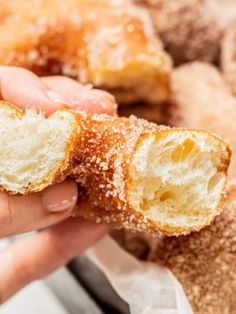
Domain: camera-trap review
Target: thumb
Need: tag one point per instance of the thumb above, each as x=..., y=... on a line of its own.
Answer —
x=35, y=211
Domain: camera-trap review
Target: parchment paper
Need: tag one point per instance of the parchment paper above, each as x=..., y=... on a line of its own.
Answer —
x=146, y=287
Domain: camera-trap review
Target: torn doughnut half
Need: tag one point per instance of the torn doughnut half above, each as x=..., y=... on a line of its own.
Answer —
x=35, y=151
x=131, y=172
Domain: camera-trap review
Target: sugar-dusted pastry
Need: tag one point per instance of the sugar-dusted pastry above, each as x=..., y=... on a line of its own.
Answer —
x=201, y=99
x=191, y=29
x=110, y=44
x=136, y=243
x=228, y=56
x=151, y=113
x=205, y=262
x=131, y=172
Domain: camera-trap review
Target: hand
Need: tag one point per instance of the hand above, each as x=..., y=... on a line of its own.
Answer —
x=35, y=257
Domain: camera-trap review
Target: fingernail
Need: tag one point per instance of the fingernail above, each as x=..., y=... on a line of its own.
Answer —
x=89, y=86
x=54, y=97
x=61, y=196
x=97, y=101
x=102, y=94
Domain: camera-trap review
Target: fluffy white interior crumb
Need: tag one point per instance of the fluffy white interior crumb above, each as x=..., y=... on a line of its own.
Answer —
x=31, y=146
x=177, y=179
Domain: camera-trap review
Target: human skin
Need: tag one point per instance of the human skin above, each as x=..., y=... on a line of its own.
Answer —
x=62, y=237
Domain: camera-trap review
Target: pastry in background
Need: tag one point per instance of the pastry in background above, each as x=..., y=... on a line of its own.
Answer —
x=201, y=99
x=228, y=56
x=136, y=243
x=191, y=29
x=205, y=262
x=110, y=44
x=151, y=113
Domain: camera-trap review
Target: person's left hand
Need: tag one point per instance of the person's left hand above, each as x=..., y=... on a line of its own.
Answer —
x=36, y=256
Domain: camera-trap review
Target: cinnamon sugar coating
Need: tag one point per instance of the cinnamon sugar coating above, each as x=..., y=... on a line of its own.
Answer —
x=105, y=151
x=107, y=145
x=205, y=262
x=131, y=173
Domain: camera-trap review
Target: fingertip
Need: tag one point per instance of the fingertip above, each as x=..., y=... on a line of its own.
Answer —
x=96, y=101
x=55, y=97
x=25, y=90
x=103, y=101
x=82, y=97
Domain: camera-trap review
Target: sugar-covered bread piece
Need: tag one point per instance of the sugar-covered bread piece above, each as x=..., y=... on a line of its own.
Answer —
x=151, y=178
x=201, y=99
x=205, y=262
x=131, y=172
x=110, y=44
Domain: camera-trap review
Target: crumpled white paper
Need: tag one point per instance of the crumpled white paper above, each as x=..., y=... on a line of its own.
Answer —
x=146, y=287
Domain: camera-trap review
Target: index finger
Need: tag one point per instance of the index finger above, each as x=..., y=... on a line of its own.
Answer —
x=82, y=97
x=24, y=89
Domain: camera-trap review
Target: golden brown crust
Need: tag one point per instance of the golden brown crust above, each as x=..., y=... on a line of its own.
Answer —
x=99, y=153
x=110, y=44
x=106, y=149
x=201, y=99
x=104, y=153
x=205, y=262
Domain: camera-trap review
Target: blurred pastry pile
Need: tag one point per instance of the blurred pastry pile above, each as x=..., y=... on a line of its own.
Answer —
x=172, y=62
x=109, y=44
x=200, y=36
x=204, y=262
